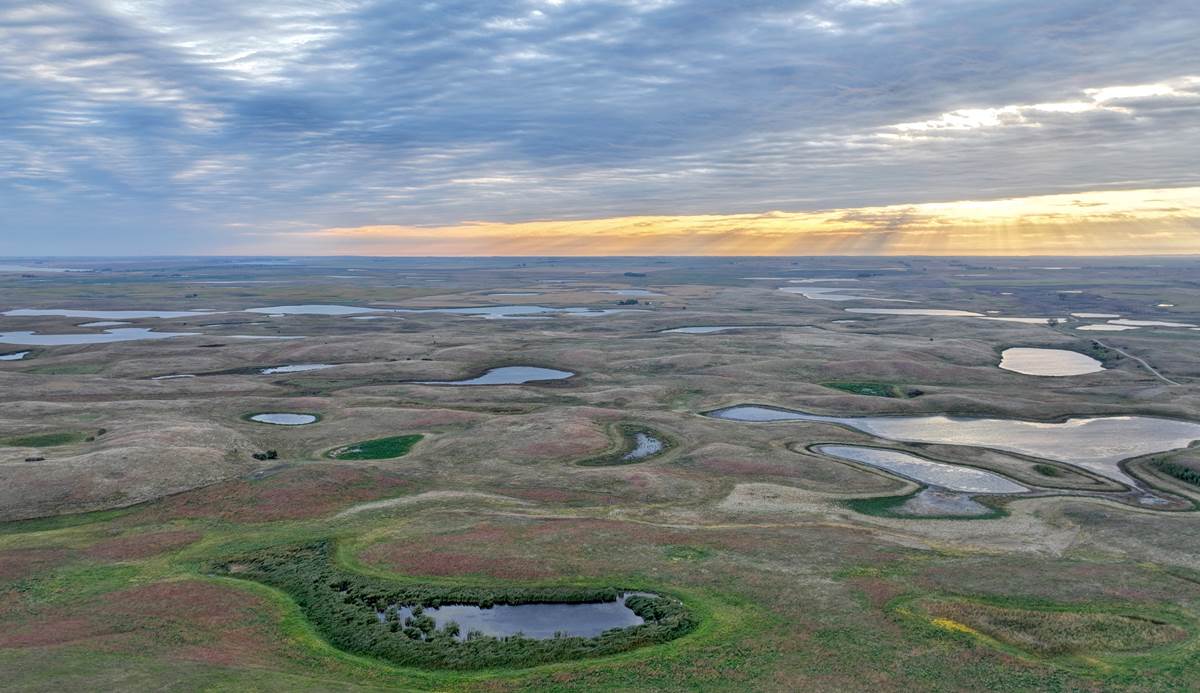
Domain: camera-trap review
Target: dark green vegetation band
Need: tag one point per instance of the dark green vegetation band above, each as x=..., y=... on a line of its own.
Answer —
x=1184, y=474
x=342, y=605
x=377, y=449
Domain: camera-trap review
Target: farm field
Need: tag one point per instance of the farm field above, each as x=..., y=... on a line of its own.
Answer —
x=250, y=504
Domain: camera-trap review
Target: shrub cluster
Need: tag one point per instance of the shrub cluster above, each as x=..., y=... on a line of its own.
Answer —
x=345, y=607
x=1184, y=474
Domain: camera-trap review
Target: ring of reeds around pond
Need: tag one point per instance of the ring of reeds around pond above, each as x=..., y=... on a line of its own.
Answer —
x=638, y=443
x=395, y=620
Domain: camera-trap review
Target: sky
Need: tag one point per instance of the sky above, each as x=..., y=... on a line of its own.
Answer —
x=575, y=127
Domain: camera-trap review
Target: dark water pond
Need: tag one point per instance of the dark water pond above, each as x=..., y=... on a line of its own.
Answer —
x=532, y=620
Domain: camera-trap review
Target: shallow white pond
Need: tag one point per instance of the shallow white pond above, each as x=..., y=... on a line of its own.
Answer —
x=507, y=375
x=296, y=368
x=710, y=329
x=1095, y=443
x=947, y=476
x=946, y=313
x=284, y=419
x=1105, y=328
x=816, y=281
x=15, y=356
x=629, y=292
x=503, y=312
x=514, y=293
x=1048, y=362
x=314, y=309
x=103, y=323
x=1095, y=315
x=1149, y=323
x=128, y=334
x=830, y=293
x=177, y=376
x=107, y=314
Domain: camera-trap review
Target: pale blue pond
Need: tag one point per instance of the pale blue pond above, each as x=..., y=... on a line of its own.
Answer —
x=15, y=356
x=909, y=466
x=107, y=314
x=128, y=334
x=1096, y=443
x=507, y=375
x=284, y=419
x=296, y=368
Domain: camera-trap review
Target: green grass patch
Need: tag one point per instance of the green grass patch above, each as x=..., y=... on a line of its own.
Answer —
x=1050, y=631
x=378, y=449
x=76, y=583
x=44, y=440
x=343, y=607
x=868, y=389
x=891, y=506
x=687, y=553
x=1047, y=470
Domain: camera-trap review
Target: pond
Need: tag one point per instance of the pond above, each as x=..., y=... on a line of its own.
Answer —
x=538, y=621
x=630, y=292
x=710, y=329
x=1048, y=362
x=1105, y=328
x=830, y=293
x=315, y=309
x=176, y=376
x=106, y=314
x=506, y=375
x=644, y=445
x=103, y=323
x=948, y=476
x=284, y=418
x=503, y=312
x=1095, y=315
x=947, y=313
x=1149, y=323
x=15, y=356
x=296, y=368
x=128, y=334
x=1097, y=443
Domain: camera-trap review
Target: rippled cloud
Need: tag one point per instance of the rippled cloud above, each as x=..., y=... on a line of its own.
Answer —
x=167, y=126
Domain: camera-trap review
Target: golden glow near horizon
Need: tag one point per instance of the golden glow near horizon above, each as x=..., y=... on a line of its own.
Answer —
x=1117, y=222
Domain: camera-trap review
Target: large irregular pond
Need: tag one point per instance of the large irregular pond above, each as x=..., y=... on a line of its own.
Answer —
x=14, y=356
x=538, y=621
x=284, y=418
x=507, y=375
x=948, y=476
x=1048, y=362
x=106, y=314
x=1095, y=443
x=128, y=334
x=948, y=313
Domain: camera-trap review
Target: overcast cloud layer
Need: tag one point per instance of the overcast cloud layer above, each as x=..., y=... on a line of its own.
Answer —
x=135, y=126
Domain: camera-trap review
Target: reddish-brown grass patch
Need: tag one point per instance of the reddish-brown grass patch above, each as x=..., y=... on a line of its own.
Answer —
x=135, y=546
